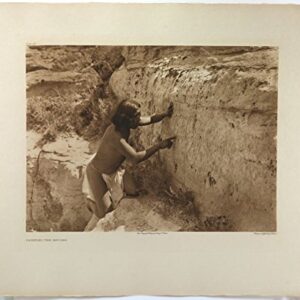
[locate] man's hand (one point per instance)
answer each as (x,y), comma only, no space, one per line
(170,110)
(157,117)
(167,143)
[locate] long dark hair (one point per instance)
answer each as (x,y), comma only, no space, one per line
(125,113)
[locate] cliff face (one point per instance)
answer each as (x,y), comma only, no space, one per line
(225,113)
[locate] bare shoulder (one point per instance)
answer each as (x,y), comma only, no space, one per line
(110,133)
(112,136)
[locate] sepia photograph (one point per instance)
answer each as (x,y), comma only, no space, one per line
(151,138)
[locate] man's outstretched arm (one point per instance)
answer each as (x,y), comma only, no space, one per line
(136,157)
(156,117)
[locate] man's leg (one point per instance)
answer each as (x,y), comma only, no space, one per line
(130,187)
(98,189)
(94,219)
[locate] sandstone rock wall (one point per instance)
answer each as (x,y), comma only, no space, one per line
(225,116)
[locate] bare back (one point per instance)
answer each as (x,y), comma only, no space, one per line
(108,157)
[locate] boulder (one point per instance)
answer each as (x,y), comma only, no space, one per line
(54,177)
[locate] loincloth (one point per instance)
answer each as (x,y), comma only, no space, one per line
(114,183)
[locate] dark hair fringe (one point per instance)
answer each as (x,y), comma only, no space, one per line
(124,113)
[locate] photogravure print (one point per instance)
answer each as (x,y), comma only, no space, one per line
(151,138)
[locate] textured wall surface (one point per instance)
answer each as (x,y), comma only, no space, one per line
(225,113)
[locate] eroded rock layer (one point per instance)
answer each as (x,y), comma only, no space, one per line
(225,113)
